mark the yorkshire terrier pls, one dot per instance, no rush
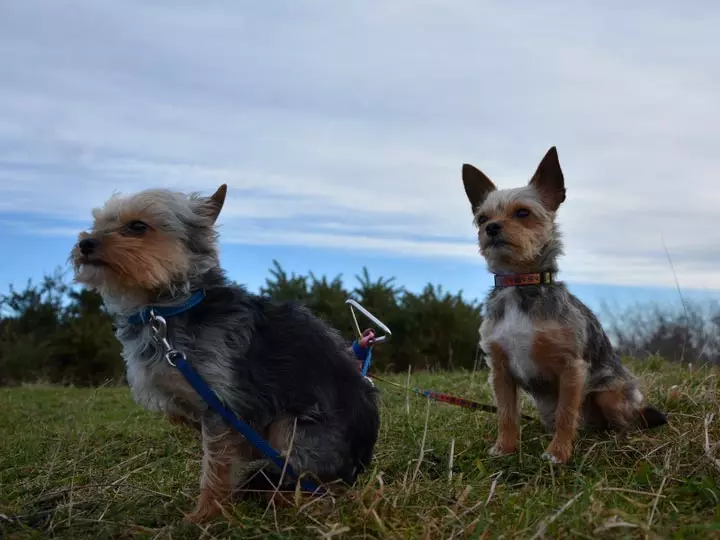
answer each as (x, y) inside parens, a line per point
(536, 335)
(278, 367)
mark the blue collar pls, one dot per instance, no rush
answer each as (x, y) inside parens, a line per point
(143, 316)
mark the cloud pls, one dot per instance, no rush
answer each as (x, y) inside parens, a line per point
(341, 124)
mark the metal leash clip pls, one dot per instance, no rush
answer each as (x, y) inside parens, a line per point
(158, 326)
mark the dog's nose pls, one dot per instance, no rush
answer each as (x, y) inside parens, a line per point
(493, 229)
(88, 245)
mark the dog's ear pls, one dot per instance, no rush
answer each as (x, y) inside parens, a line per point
(477, 185)
(214, 203)
(549, 181)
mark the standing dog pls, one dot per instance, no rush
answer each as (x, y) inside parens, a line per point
(538, 336)
(282, 370)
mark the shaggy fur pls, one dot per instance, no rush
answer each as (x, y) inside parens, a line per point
(541, 338)
(277, 366)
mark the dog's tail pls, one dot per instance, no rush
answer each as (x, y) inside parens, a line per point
(649, 417)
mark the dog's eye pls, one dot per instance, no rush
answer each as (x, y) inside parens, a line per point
(137, 227)
(481, 219)
(522, 212)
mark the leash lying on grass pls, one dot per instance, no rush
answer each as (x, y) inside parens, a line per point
(448, 398)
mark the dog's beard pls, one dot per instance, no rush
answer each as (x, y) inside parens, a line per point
(502, 257)
(497, 250)
(92, 275)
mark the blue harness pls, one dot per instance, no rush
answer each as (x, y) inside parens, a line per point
(177, 359)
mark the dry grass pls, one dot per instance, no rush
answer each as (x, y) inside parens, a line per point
(90, 464)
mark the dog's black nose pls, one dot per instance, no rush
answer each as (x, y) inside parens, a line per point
(88, 245)
(493, 229)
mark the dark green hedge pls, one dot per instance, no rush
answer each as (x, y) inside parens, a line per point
(53, 332)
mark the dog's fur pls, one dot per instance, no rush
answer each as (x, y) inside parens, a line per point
(541, 338)
(277, 366)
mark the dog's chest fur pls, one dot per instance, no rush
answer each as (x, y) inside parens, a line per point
(510, 327)
(154, 383)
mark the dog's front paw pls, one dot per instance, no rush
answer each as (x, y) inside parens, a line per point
(204, 511)
(557, 453)
(502, 449)
(551, 458)
(198, 517)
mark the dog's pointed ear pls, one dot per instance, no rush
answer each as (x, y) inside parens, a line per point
(477, 185)
(215, 202)
(549, 180)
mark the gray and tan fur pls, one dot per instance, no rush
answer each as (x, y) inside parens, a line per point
(277, 366)
(541, 338)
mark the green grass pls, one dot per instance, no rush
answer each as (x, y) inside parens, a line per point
(80, 463)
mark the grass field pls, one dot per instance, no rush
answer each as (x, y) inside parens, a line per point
(80, 463)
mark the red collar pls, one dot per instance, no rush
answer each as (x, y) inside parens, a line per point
(519, 280)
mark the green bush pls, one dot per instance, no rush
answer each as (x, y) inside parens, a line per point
(51, 332)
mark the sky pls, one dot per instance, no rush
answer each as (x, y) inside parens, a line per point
(341, 128)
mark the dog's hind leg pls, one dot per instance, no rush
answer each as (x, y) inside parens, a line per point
(314, 446)
(623, 410)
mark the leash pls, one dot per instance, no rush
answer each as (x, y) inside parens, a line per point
(363, 345)
(447, 398)
(178, 360)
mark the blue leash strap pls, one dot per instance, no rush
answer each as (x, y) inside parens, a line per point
(178, 359)
(366, 364)
(364, 354)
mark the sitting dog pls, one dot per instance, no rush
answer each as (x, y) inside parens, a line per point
(279, 368)
(536, 335)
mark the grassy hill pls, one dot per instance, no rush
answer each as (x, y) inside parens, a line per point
(82, 463)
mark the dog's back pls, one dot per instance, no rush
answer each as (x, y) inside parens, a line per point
(309, 372)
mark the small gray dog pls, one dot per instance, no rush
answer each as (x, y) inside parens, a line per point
(282, 370)
(538, 336)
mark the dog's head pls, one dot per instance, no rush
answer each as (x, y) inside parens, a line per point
(148, 242)
(516, 225)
